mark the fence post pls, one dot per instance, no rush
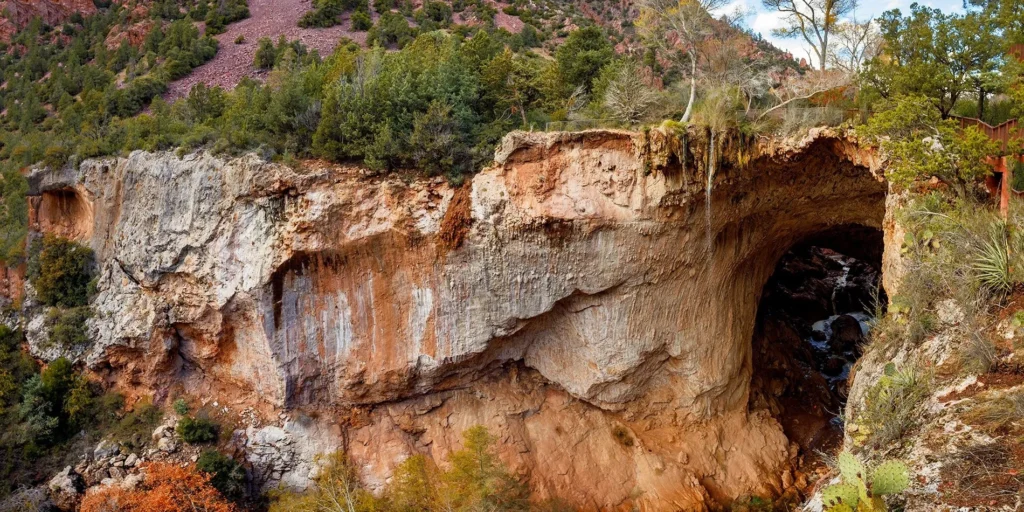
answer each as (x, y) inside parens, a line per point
(1004, 196)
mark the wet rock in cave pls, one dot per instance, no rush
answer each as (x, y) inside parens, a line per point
(847, 334)
(812, 322)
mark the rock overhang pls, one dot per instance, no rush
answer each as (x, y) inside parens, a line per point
(595, 259)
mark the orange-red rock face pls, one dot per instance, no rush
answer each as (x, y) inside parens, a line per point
(579, 288)
(18, 13)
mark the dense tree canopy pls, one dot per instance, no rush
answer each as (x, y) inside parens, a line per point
(940, 56)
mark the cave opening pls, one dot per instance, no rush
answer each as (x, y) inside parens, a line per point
(813, 317)
(65, 213)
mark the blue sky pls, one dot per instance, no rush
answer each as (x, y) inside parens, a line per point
(764, 21)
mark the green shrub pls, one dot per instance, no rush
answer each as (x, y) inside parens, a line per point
(438, 12)
(265, 54)
(60, 271)
(226, 474)
(240, 39)
(391, 29)
(16, 367)
(908, 128)
(13, 214)
(40, 417)
(324, 15)
(80, 402)
(475, 480)
(136, 427)
(197, 430)
(54, 402)
(582, 55)
(361, 21)
(180, 406)
(68, 326)
(383, 6)
(435, 140)
(1018, 175)
(224, 13)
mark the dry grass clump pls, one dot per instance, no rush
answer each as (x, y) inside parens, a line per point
(892, 407)
(1000, 415)
(977, 354)
(989, 475)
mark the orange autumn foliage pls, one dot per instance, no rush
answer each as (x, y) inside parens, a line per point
(166, 488)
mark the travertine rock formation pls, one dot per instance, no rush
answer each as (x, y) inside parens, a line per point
(582, 298)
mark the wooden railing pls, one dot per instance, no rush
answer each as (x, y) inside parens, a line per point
(1002, 133)
(1001, 165)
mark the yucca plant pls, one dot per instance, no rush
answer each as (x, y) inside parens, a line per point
(992, 262)
(857, 493)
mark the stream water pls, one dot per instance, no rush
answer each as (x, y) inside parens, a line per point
(813, 319)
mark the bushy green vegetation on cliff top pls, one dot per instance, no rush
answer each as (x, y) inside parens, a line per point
(425, 99)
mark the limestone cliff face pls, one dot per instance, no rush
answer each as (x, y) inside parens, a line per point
(583, 284)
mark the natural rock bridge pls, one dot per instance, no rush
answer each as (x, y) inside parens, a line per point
(582, 298)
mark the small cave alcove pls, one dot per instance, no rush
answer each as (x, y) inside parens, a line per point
(813, 317)
(64, 212)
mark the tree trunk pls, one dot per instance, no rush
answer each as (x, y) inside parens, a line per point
(823, 56)
(981, 103)
(693, 90)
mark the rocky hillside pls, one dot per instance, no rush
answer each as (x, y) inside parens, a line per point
(18, 13)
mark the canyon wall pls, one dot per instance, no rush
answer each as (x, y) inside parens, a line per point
(583, 297)
(17, 14)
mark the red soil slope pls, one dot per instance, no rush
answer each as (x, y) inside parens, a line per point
(269, 18)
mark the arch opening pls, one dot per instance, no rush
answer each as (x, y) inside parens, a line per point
(813, 317)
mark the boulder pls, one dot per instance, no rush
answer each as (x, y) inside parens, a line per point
(66, 489)
(106, 449)
(99, 475)
(834, 366)
(167, 445)
(36, 499)
(846, 334)
(132, 481)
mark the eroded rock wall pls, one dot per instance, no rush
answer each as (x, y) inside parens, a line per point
(584, 283)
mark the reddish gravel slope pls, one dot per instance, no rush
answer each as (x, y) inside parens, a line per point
(269, 18)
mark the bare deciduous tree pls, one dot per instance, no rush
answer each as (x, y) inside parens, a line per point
(855, 43)
(813, 20)
(732, 62)
(806, 87)
(677, 27)
(628, 97)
